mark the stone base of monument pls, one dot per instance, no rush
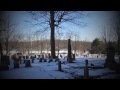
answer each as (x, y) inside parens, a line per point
(27, 63)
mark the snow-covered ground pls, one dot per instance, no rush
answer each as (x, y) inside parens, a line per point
(45, 70)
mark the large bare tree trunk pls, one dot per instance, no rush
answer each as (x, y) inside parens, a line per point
(52, 34)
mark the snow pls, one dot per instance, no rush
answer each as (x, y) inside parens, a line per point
(45, 70)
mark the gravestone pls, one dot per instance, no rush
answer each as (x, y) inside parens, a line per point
(57, 59)
(32, 57)
(16, 62)
(73, 56)
(4, 63)
(39, 56)
(27, 57)
(59, 65)
(24, 57)
(86, 70)
(51, 60)
(20, 59)
(110, 61)
(35, 56)
(69, 59)
(46, 56)
(27, 63)
(49, 55)
(42, 56)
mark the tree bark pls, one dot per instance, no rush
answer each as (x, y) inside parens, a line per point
(52, 26)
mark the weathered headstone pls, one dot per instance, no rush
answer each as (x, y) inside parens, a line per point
(46, 56)
(35, 56)
(27, 57)
(86, 70)
(24, 57)
(51, 60)
(42, 56)
(57, 59)
(69, 51)
(4, 63)
(20, 59)
(16, 62)
(27, 63)
(39, 56)
(73, 56)
(32, 57)
(59, 65)
(49, 55)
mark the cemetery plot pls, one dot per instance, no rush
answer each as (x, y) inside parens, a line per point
(61, 70)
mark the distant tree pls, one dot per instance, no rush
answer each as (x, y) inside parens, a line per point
(76, 41)
(97, 46)
(58, 43)
(14, 41)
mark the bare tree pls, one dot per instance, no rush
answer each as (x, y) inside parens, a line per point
(54, 19)
(106, 34)
(115, 23)
(14, 41)
(111, 32)
(2, 29)
(10, 28)
(76, 39)
(58, 43)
